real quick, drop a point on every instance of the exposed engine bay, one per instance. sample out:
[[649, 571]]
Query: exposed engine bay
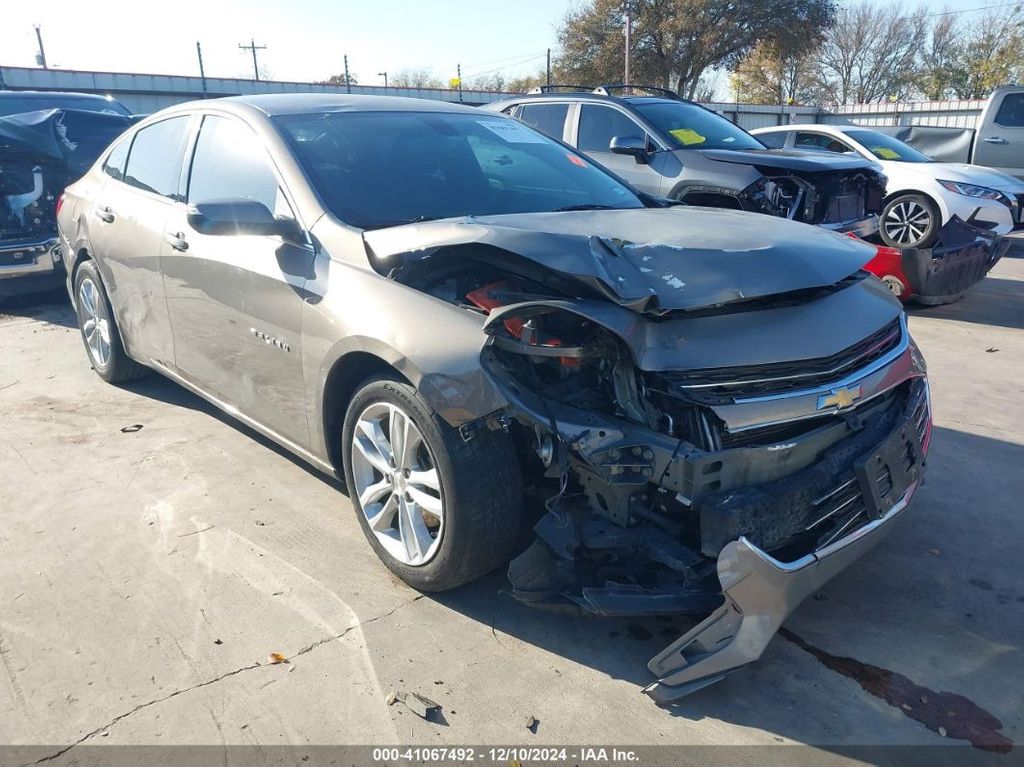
[[666, 436], [816, 198]]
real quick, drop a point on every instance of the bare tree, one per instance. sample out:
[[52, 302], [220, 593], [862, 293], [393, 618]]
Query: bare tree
[[416, 78], [871, 53], [768, 76]]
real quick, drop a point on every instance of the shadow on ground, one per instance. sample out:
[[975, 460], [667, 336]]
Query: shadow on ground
[[52, 306], [995, 301]]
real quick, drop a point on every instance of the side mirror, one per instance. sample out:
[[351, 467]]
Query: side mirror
[[239, 216], [631, 145]]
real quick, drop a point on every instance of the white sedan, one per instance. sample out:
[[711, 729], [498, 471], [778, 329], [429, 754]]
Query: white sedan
[[921, 195]]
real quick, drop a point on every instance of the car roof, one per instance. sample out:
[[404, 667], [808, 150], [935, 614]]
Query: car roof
[[811, 126], [272, 104], [596, 97]]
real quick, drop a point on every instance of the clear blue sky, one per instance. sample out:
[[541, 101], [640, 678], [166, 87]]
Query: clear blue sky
[[305, 39]]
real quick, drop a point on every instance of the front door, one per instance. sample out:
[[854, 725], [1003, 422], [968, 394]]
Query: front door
[[598, 125], [235, 301]]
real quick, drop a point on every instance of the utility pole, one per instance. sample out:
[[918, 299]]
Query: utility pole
[[549, 66], [348, 83], [385, 76], [41, 56], [458, 69], [253, 48], [202, 72], [629, 34]]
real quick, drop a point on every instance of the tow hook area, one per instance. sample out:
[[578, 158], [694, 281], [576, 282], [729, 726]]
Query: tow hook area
[[760, 593]]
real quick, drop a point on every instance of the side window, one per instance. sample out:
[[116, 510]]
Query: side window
[[230, 161], [599, 125], [1011, 111], [113, 166], [547, 118], [821, 141], [154, 163], [774, 140]]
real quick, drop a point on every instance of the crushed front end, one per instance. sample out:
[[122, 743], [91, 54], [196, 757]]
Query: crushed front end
[[735, 491], [844, 201], [714, 426]]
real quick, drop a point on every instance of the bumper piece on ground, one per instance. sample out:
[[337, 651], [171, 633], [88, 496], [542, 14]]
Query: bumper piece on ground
[[30, 267], [760, 594], [960, 259]]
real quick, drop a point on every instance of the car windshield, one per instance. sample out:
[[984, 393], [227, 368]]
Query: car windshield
[[886, 147], [14, 105], [378, 169], [693, 127]]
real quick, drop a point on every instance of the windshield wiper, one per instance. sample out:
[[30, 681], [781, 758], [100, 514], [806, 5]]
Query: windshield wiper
[[586, 206]]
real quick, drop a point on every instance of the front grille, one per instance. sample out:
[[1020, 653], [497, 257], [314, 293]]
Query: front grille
[[770, 435], [718, 384]]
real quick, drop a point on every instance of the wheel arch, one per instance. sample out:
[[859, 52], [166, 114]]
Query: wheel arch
[[340, 385]]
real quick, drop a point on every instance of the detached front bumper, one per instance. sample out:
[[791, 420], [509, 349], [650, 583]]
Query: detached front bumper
[[760, 593], [960, 259], [27, 267]]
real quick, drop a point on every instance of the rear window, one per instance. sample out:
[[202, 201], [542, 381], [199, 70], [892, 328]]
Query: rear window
[[1011, 111], [775, 140], [117, 159], [154, 163], [549, 118]]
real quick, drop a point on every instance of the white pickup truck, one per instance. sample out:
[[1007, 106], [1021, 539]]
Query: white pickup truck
[[996, 140]]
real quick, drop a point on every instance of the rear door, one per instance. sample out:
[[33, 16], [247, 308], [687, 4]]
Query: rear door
[[235, 301], [999, 143], [126, 228]]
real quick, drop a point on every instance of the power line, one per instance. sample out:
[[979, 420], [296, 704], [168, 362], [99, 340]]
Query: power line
[[498, 61], [508, 66], [972, 10]]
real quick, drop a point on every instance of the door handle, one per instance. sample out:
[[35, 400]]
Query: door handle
[[177, 241], [994, 140], [104, 214]]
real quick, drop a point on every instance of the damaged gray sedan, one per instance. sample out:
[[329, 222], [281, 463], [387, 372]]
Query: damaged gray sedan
[[715, 411]]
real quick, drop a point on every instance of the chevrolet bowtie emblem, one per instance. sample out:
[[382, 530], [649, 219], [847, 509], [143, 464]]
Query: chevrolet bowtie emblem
[[839, 397]]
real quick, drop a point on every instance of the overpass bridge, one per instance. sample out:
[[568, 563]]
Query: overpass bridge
[[144, 94]]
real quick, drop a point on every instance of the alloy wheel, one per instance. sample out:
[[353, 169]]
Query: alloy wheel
[[907, 222], [95, 322], [397, 483]]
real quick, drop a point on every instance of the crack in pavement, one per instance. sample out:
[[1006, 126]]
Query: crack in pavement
[[307, 649]]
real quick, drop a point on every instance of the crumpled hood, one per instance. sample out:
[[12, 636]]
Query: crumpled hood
[[791, 159], [649, 260]]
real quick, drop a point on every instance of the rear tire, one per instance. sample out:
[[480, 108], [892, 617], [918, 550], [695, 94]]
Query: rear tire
[[99, 330], [465, 499], [910, 221]]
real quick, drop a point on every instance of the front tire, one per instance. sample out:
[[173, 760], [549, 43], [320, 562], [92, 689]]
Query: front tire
[[99, 330], [437, 510], [910, 221]]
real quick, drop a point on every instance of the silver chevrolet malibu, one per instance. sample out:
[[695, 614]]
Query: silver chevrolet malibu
[[697, 411]]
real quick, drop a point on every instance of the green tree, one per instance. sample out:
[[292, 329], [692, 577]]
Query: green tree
[[674, 42], [993, 53]]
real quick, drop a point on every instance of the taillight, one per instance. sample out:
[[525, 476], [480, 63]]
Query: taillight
[[60, 204]]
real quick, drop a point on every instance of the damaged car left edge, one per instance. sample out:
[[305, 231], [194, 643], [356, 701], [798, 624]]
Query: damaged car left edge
[[714, 411]]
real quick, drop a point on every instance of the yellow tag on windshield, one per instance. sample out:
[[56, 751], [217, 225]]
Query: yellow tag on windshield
[[688, 136], [885, 153]]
